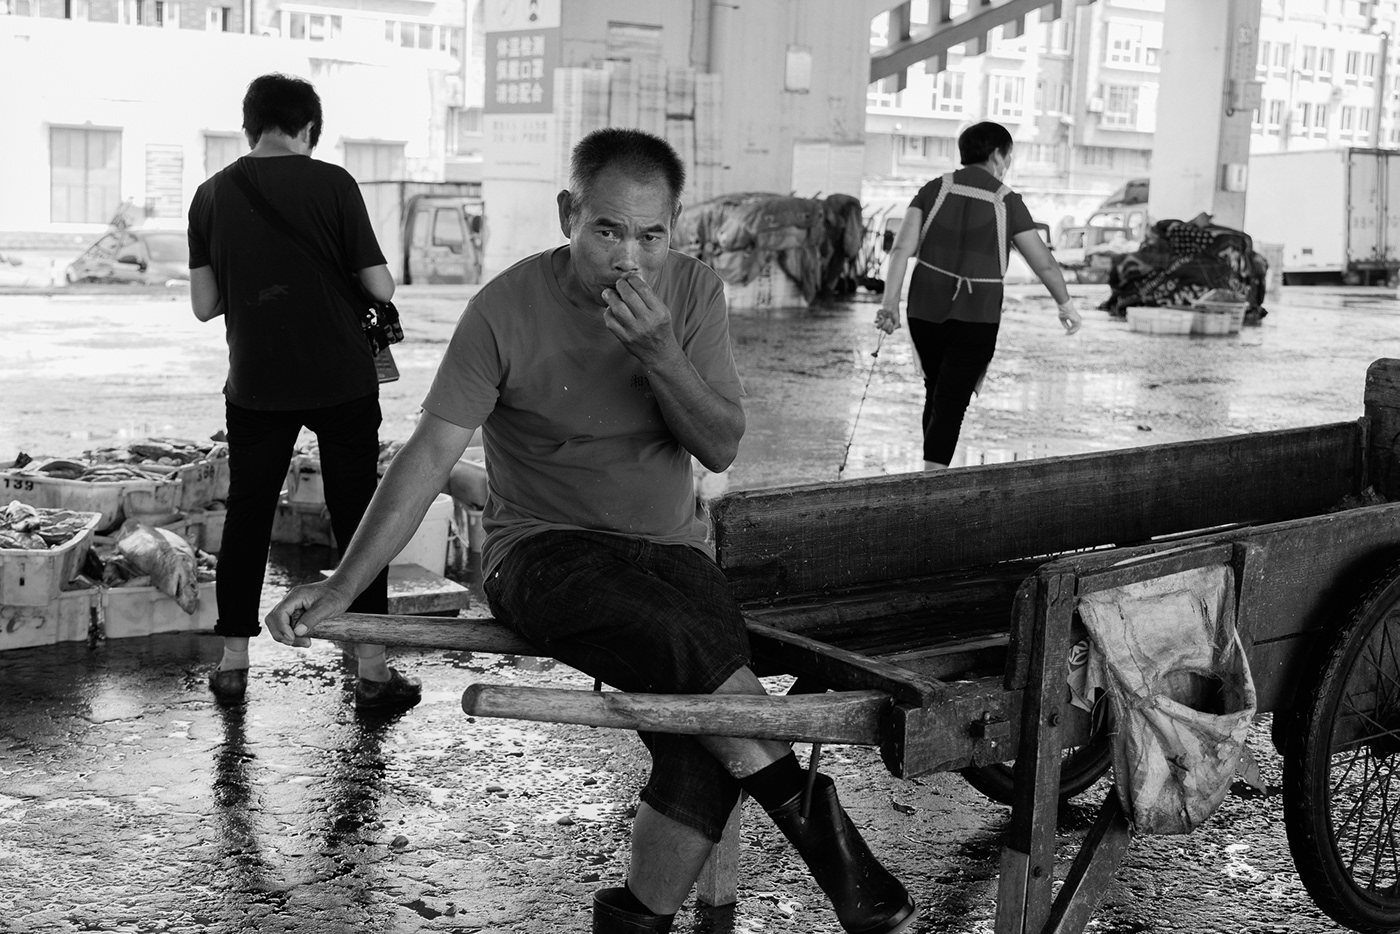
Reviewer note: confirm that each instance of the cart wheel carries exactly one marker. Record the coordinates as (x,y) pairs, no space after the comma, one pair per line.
(1080,767)
(1341,770)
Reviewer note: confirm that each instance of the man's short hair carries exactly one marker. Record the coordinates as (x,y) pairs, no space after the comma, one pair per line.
(639,154)
(281,102)
(977,143)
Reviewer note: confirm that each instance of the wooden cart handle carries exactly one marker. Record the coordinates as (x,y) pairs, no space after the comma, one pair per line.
(466,635)
(849,717)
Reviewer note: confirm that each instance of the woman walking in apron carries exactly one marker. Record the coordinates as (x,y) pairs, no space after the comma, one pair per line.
(960,228)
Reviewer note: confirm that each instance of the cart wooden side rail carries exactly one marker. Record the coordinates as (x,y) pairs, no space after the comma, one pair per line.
(940,609)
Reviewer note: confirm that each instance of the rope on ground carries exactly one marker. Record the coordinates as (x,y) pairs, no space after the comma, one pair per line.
(845,456)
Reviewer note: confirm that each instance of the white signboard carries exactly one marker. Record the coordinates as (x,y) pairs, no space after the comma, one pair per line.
(519,146)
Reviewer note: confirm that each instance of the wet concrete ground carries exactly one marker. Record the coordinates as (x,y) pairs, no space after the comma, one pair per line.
(128,802)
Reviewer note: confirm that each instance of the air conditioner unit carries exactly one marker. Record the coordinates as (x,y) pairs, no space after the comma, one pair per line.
(1095,105)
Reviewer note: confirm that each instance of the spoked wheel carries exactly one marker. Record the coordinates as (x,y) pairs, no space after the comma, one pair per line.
(1342,770)
(1080,766)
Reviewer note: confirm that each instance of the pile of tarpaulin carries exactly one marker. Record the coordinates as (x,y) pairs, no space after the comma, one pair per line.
(1182,260)
(815,241)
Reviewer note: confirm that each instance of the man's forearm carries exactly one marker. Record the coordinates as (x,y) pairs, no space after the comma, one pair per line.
(707,424)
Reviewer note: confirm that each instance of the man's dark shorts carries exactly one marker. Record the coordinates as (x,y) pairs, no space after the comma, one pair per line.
(640,617)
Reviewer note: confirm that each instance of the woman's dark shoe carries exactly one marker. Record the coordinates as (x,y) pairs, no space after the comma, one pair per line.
(608,918)
(398,693)
(229,686)
(867,899)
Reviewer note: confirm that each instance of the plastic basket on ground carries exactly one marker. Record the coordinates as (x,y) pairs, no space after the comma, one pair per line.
(771,288)
(1218,317)
(1158,320)
(33,577)
(142,610)
(67,617)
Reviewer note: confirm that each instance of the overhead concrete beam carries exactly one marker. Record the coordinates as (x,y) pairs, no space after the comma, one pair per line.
(971,29)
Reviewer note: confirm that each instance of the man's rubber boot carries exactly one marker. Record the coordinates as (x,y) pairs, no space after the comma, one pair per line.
(610,919)
(867,899)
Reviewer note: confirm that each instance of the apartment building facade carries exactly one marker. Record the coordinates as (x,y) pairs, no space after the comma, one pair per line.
(1330,75)
(133,103)
(1079,94)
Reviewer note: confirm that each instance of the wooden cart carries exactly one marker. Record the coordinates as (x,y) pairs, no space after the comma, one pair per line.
(932,614)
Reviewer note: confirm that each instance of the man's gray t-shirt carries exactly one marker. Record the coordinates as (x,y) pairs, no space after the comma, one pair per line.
(573,435)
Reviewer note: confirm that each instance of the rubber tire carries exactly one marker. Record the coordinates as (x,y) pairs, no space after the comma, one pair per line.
(1306,772)
(1080,767)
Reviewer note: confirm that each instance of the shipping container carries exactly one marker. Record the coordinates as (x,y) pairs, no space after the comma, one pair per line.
(1336,212)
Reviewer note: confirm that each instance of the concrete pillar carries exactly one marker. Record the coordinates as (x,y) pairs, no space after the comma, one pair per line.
(1207,95)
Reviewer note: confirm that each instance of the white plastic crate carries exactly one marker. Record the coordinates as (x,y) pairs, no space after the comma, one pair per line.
(1153,320)
(34,577)
(145,611)
(211,535)
(201,483)
(304,483)
(769,289)
(64,618)
(114,501)
(428,546)
(302,524)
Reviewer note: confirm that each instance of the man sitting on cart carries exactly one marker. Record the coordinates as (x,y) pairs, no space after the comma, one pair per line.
(596,370)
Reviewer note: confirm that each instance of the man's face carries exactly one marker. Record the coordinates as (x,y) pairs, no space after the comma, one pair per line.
(624,228)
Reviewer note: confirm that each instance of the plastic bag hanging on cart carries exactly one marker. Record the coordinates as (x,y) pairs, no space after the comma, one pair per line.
(1168,654)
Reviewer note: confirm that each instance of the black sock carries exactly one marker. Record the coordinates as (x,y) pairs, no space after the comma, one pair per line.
(775,785)
(630,902)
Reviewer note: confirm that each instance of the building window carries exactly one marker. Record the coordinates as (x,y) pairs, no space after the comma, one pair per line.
(375,162)
(1282,55)
(948,92)
(450,41)
(1120,107)
(1353,67)
(1302,114)
(1363,123)
(1319,121)
(1041,154)
(85,174)
(1051,96)
(1132,44)
(1006,97)
(1262,66)
(1308,62)
(1273,123)
(1096,156)
(464,134)
(1256,123)
(1055,35)
(1348,120)
(1368,69)
(220,150)
(1325,58)
(218,19)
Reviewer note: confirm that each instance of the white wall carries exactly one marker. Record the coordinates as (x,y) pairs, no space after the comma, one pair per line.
(170,87)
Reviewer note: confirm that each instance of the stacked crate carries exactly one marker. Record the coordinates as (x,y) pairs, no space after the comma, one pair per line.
(678,104)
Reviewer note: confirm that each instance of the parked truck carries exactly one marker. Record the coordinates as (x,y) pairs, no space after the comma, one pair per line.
(1336,212)
(430,232)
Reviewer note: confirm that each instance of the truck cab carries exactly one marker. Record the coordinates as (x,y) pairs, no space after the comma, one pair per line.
(445,237)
